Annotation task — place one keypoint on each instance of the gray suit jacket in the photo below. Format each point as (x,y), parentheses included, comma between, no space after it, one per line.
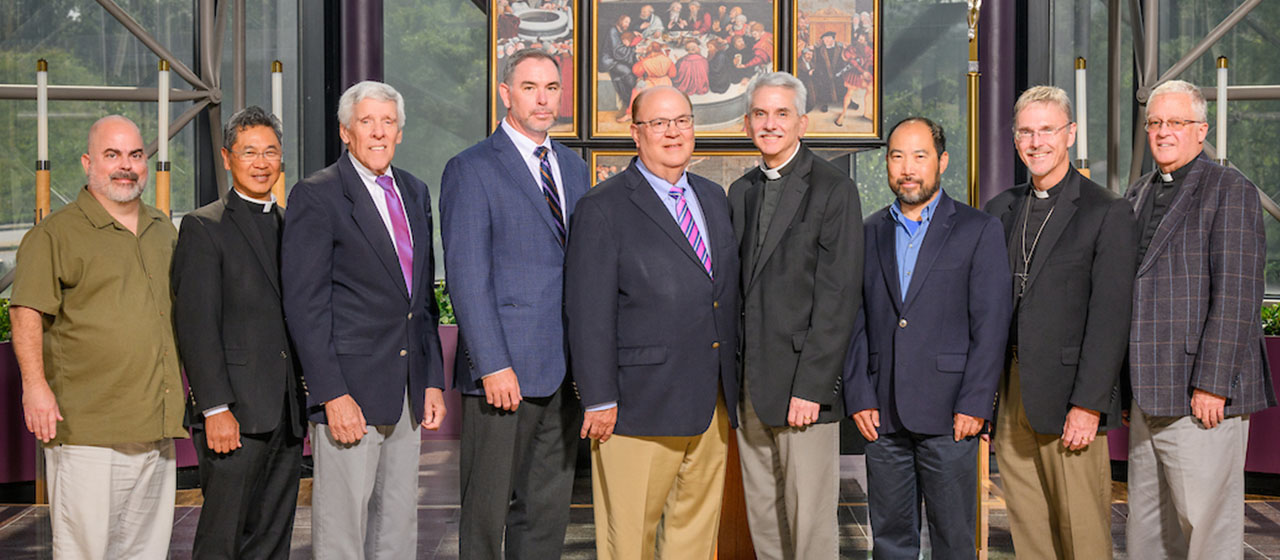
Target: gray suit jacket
(1197,297)
(801,294)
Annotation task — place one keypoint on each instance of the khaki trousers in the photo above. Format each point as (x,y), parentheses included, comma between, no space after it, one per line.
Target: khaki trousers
(791,481)
(112,501)
(1059,500)
(637,482)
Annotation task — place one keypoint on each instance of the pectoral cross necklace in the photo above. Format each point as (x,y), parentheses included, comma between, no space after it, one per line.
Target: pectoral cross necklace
(1028,253)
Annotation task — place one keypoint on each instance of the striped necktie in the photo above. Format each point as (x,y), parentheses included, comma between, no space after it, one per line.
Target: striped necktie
(690,228)
(549,191)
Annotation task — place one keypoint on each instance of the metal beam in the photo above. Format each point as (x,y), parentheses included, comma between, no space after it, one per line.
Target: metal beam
(1150,70)
(1139,37)
(134,28)
(238,51)
(1203,46)
(99,93)
(1115,92)
(1265,93)
(176,126)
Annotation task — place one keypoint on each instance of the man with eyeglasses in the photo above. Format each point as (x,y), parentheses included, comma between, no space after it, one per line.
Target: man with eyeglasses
(101,387)
(1072,249)
(246,403)
(1197,365)
(651,301)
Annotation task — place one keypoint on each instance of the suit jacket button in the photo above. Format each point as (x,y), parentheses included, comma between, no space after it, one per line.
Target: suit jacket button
(715,344)
(410,315)
(284,355)
(902,323)
(404,352)
(715,305)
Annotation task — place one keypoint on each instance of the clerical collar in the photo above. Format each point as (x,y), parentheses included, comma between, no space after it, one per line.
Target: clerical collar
(266,206)
(1178,174)
(777,172)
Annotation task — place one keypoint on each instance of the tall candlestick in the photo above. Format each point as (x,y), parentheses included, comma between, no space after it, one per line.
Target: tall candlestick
(277,108)
(1082,114)
(1222,109)
(162,152)
(44,181)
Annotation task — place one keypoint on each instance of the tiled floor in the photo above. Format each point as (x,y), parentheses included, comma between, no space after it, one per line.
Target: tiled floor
(24,530)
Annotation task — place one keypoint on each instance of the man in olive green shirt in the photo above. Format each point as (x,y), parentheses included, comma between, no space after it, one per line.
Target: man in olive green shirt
(93,337)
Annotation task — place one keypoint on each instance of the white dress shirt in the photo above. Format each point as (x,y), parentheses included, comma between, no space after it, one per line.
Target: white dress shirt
(526,148)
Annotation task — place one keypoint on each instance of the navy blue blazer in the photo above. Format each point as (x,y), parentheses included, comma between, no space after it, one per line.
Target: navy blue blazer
(505,265)
(356,327)
(648,328)
(941,351)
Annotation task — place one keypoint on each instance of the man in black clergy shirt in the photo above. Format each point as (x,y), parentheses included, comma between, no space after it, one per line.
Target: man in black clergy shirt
(246,400)
(1073,251)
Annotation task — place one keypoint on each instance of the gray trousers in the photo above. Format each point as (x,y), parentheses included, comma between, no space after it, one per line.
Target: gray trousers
(516,476)
(364,499)
(791,482)
(1186,487)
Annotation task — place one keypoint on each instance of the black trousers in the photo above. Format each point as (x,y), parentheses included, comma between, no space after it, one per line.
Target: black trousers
(250,495)
(517,476)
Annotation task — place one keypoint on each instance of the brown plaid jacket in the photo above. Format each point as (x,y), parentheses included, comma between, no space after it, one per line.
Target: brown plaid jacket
(1197,297)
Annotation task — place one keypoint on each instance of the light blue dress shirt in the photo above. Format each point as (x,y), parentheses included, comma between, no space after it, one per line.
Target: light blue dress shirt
(908,236)
(663,188)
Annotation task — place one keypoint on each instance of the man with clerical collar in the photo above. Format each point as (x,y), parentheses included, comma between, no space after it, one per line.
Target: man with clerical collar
(247,404)
(1072,249)
(798,222)
(1197,366)
(651,303)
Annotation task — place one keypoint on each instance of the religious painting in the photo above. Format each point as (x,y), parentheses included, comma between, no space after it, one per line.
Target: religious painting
(837,56)
(722,166)
(549,25)
(709,50)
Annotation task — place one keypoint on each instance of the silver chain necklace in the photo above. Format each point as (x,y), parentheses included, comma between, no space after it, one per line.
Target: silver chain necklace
(1027,254)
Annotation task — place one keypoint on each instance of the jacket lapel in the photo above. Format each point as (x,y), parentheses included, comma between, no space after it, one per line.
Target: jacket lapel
(935,238)
(370,222)
(642,195)
(1062,214)
(751,200)
(887,248)
(1177,212)
(237,210)
(575,184)
(518,173)
(794,188)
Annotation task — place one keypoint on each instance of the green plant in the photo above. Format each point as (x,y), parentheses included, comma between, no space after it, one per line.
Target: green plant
(5,329)
(1271,319)
(445,304)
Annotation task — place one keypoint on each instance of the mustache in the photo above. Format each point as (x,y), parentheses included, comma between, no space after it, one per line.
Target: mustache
(125,175)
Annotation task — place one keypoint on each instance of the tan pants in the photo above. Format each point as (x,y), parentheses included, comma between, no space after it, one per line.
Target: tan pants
(1059,500)
(112,501)
(638,481)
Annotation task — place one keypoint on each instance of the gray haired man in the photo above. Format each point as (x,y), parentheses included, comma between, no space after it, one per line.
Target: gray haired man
(798,223)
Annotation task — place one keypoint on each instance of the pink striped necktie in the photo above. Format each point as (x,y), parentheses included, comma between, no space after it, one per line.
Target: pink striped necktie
(400,229)
(690,228)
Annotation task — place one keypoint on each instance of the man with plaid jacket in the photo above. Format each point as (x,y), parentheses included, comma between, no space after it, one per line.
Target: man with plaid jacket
(1197,365)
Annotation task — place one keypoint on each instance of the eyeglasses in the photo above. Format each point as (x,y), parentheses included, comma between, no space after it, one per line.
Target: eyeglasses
(682,122)
(1022,135)
(248,156)
(1173,124)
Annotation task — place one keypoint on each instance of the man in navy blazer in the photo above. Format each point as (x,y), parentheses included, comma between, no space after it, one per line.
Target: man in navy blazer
(651,300)
(504,205)
(922,380)
(357,277)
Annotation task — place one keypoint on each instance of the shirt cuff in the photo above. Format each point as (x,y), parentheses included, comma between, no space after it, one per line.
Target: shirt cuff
(603,406)
(216,410)
(495,372)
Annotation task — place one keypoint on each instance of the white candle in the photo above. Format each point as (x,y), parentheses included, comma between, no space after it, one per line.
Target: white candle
(1082,113)
(277,90)
(42,110)
(1222,108)
(162,152)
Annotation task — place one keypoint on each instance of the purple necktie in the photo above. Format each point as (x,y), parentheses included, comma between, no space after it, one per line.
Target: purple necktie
(400,228)
(549,192)
(690,228)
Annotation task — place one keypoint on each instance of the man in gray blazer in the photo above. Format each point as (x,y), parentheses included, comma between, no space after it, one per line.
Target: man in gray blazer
(1197,365)
(504,207)
(798,222)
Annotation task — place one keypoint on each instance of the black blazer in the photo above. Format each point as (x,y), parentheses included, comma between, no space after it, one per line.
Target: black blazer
(941,350)
(229,320)
(800,297)
(1073,320)
(648,328)
(357,328)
